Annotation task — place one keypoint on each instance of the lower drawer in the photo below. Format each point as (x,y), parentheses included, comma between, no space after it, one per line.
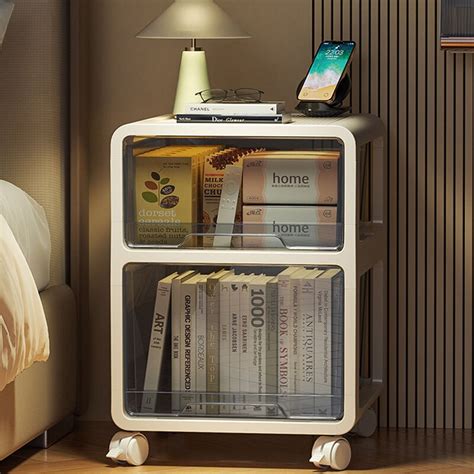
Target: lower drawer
(240,342)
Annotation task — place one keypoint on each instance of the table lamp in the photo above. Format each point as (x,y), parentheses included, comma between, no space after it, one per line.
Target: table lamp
(192,20)
(6,10)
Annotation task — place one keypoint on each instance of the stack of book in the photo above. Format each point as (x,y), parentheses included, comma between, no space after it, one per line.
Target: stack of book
(234,112)
(242,343)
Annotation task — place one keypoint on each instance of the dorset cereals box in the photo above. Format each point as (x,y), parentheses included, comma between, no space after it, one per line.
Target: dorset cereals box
(167,182)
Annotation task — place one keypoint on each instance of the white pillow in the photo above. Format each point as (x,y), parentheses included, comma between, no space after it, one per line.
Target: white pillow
(23,329)
(29,225)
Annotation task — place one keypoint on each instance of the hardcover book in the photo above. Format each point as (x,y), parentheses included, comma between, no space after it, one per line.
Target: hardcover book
(176,337)
(212,343)
(240,108)
(284,329)
(188,343)
(156,348)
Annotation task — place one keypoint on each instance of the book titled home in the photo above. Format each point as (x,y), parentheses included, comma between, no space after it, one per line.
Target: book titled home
(156,348)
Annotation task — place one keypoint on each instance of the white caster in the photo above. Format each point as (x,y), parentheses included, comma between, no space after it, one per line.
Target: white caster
(131,448)
(331,451)
(367,425)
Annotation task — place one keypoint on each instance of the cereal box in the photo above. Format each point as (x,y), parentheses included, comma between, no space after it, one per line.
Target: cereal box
(167,181)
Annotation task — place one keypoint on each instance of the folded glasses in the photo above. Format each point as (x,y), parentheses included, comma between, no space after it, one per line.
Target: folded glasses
(231,95)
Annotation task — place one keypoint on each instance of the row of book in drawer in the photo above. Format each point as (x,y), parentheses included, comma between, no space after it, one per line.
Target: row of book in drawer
(255,334)
(292,194)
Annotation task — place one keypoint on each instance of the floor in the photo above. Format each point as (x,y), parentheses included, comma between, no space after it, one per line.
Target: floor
(394,451)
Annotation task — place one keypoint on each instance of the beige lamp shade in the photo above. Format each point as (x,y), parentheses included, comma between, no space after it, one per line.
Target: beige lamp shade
(193,19)
(6,10)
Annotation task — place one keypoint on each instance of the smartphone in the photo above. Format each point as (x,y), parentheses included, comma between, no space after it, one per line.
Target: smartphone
(328,68)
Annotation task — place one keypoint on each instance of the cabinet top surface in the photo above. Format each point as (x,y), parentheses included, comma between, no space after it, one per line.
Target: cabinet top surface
(362,127)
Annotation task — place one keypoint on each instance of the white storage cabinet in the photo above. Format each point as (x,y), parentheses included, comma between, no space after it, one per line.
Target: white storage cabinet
(358,250)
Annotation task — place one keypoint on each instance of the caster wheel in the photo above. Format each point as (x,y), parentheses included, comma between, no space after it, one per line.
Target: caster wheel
(367,425)
(331,451)
(131,448)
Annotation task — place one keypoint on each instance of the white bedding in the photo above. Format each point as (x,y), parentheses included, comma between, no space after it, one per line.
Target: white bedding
(29,225)
(23,329)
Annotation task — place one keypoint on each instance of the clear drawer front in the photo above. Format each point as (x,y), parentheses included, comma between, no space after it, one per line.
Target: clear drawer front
(217,341)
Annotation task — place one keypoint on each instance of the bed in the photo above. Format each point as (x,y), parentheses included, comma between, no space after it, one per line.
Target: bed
(37,326)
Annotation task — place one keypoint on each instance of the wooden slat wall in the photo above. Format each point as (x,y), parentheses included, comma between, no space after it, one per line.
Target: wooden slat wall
(425,97)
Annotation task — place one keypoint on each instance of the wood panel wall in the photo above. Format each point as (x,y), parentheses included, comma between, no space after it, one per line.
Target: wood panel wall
(425,97)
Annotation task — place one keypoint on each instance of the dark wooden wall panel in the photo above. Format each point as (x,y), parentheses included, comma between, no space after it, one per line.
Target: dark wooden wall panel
(425,97)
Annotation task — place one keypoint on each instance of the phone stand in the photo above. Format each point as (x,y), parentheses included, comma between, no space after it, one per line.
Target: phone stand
(324,109)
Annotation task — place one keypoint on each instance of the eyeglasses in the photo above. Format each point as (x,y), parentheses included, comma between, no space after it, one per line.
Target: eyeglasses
(230,95)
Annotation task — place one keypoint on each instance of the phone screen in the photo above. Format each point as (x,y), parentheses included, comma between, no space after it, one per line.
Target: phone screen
(327,69)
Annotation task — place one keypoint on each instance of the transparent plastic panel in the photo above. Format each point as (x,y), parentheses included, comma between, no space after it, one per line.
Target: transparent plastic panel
(233,193)
(238,342)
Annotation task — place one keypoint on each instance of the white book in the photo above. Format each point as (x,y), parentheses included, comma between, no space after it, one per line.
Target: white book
(295,349)
(156,347)
(201,343)
(284,329)
(244,356)
(271,349)
(188,344)
(306,335)
(224,108)
(328,294)
(224,343)
(234,352)
(258,315)
(176,338)
(213,339)
(305,383)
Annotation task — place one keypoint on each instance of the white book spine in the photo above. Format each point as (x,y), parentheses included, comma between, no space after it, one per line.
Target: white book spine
(234,359)
(244,362)
(257,326)
(224,346)
(188,346)
(175,345)
(305,381)
(156,347)
(284,329)
(271,349)
(322,382)
(294,340)
(201,342)
(233,109)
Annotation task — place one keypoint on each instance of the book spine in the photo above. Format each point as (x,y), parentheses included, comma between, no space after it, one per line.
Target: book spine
(244,361)
(305,382)
(182,118)
(175,346)
(201,340)
(233,109)
(224,346)
(234,359)
(271,372)
(212,343)
(294,341)
(188,347)
(337,339)
(284,320)
(322,379)
(306,341)
(156,347)
(257,383)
